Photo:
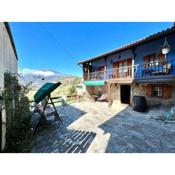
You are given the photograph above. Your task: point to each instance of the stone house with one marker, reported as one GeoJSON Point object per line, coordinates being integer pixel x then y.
{"type": "Point", "coordinates": [145, 67]}
{"type": "Point", "coordinates": [8, 63]}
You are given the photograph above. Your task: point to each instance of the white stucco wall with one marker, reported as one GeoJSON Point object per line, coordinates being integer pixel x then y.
{"type": "Point", "coordinates": [8, 60]}
{"type": "Point", "coordinates": [8, 63]}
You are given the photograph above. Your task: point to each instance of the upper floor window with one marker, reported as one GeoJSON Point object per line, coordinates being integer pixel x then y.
{"type": "Point", "coordinates": [123, 66]}
{"type": "Point", "coordinates": [101, 68]}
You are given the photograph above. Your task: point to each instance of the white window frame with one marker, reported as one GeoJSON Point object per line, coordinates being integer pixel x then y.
{"type": "Point", "coordinates": [159, 90]}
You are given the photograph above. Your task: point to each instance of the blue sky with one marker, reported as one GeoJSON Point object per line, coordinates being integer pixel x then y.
{"type": "Point", "coordinates": [59, 46]}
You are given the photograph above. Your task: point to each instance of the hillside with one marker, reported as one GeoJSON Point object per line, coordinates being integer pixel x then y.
{"type": "Point", "coordinates": [36, 78]}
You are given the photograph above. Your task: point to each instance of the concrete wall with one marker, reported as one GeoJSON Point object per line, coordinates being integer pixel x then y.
{"type": "Point", "coordinates": [8, 63]}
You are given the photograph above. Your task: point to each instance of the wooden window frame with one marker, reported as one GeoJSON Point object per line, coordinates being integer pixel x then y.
{"type": "Point", "coordinates": [101, 67]}
{"type": "Point", "coordinates": [152, 93]}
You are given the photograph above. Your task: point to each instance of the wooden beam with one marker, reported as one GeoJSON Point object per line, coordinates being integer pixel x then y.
{"type": "Point", "coordinates": [109, 94]}
{"type": "Point", "coordinates": [56, 113]}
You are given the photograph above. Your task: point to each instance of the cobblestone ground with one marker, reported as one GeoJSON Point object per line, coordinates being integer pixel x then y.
{"type": "Point", "coordinates": [95, 127]}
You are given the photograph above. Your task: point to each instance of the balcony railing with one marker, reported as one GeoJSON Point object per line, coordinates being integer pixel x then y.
{"type": "Point", "coordinates": [155, 69]}
{"type": "Point", "coordinates": [117, 73]}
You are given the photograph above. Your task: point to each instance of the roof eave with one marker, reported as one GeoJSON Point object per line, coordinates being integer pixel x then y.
{"type": "Point", "coordinates": [7, 26]}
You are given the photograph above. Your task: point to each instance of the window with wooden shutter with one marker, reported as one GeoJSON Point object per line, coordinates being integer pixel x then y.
{"type": "Point", "coordinates": [164, 91]}
{"type": "Point", "coordinates": [149, 91]}
{"type": "Point", "coordinates": [157, 91]}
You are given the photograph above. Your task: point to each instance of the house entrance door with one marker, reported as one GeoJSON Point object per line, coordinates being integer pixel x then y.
{"type": "Point", "coordinates": [125, 91]}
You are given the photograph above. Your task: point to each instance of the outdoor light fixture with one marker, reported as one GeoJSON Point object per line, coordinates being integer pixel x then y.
{"type": "Point", "coordinates": [165, 47]}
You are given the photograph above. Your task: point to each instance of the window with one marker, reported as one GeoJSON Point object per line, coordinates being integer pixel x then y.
{"type": "Point", "coordinates": [157, 91]}
{"type": "Point", "coordinates": [154, 60]}
{"type": "Point", "coordinates": [120, 67]}
{"type": "Point", "coordinates": [151, 62]}
{"type": "Point", "coordinates": [123, 66]}
{"type": "Point", "coordinates": [101, 68]}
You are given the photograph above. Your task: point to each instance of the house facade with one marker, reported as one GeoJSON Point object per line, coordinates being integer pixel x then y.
{"type": "Point", "coordinates": [145, 67]}
{"type": "Point", "coordinates": [8, 63]}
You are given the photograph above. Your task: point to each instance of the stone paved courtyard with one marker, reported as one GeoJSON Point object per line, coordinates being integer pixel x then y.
{"type": "Point", "coordinates": [97, 128]}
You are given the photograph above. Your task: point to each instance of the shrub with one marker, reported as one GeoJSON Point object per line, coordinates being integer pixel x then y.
{"type": "Point", "coordinates": [18, 131]}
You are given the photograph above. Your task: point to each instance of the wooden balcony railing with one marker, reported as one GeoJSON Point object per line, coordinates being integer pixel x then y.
{"type": "Point", "coordinates": [158, 68]}
{"type": "Point", "coordinates": [117, 73]}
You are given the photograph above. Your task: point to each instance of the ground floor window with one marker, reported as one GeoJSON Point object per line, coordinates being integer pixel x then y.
{"type": "Point", "coordinates": [157, 91]}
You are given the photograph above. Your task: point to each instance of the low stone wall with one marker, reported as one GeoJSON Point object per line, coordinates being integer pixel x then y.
{"type": "Point", "coordinates": [159, 101]}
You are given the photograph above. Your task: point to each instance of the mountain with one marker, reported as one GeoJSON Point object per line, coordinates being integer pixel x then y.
{"type": "Point", "coordinates": [34, 79]}
{"type": "Point", "coordinates": [39, 77]}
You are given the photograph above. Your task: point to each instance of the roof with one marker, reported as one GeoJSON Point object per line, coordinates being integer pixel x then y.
{"type": "Point", "coordinates": [11, 38]}
{"type": "Point", "coordinates": [134, 44]}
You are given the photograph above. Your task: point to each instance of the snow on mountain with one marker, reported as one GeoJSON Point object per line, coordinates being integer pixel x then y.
{"type": "Point", "coordinates": [39, 77]}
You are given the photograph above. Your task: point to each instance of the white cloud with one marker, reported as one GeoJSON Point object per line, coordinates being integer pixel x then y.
{"type": "Point", "coordinates": [44, 73]}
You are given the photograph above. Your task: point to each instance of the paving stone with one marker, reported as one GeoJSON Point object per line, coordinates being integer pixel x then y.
{"type": "Point", "coordinates": [127, 130]}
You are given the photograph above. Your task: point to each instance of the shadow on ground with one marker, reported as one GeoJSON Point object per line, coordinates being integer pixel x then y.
{"type": "Point", "coordinates": [76, 141]}
{"type": "Point", "coordinates": [134, 132]}
{"type": "Point", "coordinates": [55, 137]}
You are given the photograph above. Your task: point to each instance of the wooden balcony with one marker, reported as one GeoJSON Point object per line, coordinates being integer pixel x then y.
{"type": "Point", "coordinates": [159, 71]}
{"type": "Point", "coordinates": [122, 73]}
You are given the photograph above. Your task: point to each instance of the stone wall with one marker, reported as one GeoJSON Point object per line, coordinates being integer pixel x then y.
{"type": "Point", "coordinates": [115, 93]}
{"type": "Point", "coordinates": [141, 89]}
{"type": "Point", "coordinates": [97, 90]}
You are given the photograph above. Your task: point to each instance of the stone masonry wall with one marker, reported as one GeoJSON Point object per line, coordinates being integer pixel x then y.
{"type": "Point", "coordinates": [140, 89]}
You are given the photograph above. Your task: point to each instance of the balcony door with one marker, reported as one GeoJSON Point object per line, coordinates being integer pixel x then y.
{"type": "Point", "coordinates": [154, 60]}
{"type": "Point", "coordinates": [122, 69]}
{"type": "Point", "coordinates": [101, 73]}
